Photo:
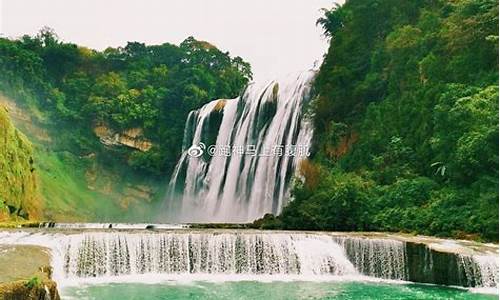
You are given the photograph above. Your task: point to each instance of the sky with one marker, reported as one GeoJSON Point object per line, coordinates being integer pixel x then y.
{"type": "Point", "coordinates": [277, 37]}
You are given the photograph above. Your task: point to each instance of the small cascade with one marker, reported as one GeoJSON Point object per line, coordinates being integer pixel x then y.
{"type": "Point", "coordinates": [114, 254]}
{"type": "Point", "coordinates": [380, 258]}
{"type": "Point", "coordinates": [240, 254]}
{"type": "Point", "coordinates": [239, 155]}
{"type": "Point", "coordinates": [479, 270]}
{"type": "Point", "coordinates": [125, 226]}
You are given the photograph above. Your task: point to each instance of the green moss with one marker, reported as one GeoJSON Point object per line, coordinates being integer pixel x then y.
{"type": "Point", "coordinates": [18, 194]}
{"type": "Point", "coordinates": [77, 184]}
{"type": "Point", "coordinates": [33, 282]}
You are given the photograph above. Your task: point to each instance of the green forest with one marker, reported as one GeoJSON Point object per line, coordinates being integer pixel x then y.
{"type": "Point", "coordinates": [405, 111]}
{"type": "Point", "coordinates": [107, 125]}
{"type": "Point", "coordinates": [406, 122]}
{"type": "Point", "coordinates": [151, 87]}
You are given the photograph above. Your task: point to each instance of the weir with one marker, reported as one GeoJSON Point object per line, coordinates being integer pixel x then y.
{"type": "Point", "coordinates": [257, 255]}
{"type": "Point", "coordinates": [248, 149]}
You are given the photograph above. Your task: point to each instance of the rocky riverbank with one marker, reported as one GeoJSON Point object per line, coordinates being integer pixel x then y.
{"type": "Point", "coordinates": [25, 273]}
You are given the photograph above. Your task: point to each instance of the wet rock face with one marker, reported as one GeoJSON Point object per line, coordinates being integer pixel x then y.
{"type": "Point", "coordinates": [423, 261]}
{"type": "Point", "coordinates": [26, 274]}
{"type": "Point", "coordinates": [428, 266]}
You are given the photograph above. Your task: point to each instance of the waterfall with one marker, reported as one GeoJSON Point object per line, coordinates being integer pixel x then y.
{"type": "Point", "coordinates": [480, 270]}
{"type": "Point", "coordinates": [111, 255]}
{"type": "Point", "coordinates": [112, 225]}
{"type": "Point", "coordinates": [379, 258]}
{"type": "Point", "coordinates": [239, 155]}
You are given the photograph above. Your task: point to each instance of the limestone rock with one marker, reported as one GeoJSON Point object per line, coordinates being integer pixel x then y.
{"type": "Point", "coordinates": [132, 138]}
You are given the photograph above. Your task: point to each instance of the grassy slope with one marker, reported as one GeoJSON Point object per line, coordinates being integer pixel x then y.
{"type": "Point", "coordinates": [79, 189]}
{"type": "Point", "coordinates": [82, 188]}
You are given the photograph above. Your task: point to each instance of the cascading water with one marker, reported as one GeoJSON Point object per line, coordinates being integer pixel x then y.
{"type": "Point", "coordinates": [118, 255]}
{"type": "Point", "coordinates": [251, 146]}
{"type": "Point", "coordinates": [376, 257]}
{"type": "Point", "coordinates": [112, 225]}
{"type": "Point", "coordinates": [104, 254]}
{"type": "Point", "coordinates": [480, 270]}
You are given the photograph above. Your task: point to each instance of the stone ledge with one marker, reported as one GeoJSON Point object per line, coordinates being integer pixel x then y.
{"type": "Point", "coordinates": [18, 265]}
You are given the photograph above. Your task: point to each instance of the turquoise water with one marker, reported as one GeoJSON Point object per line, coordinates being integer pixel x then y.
{"type": "Point", "coordinates": [268, 291]}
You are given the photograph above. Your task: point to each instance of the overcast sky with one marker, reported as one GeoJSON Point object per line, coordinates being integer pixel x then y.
{"type": "Point", "coordinates": [276, 36]}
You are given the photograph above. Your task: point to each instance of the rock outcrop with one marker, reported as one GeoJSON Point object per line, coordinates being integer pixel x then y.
{"type": "Point", "coordinates": [26, 274]}
{"type": "Point", "coordinates": [132, 138]}
{"type": "Point", "coordinates": [23, 290]}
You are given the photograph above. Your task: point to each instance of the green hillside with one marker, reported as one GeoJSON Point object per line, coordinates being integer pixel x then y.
{"type": "Point", "coordinates": [406, 121]}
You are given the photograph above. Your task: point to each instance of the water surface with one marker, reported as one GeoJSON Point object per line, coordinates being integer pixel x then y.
{"type": "Point", "coordinates": [268, 291]}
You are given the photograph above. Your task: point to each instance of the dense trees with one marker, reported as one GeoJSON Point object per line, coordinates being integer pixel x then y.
{"type": "Point", "coordinates": [406, 117]}
{"type": "Point", "coordinates": [406, 120]}
{"type": "Point", "coordinates": [151, 87]}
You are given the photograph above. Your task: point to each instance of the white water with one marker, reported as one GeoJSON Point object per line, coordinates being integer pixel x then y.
{"type": "Point", "coordinates": [242, 187]}
{"type": "Point", "coordinates": [117, 256]}
{"type": "Point", "coordinates": [379, 257]}
{"type": "Point", "coordinates": [113, 225]}
{"type": "Point", "coordinates": [481, 270]}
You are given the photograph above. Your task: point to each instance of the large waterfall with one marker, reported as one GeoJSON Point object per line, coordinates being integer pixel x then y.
{"type": "Point", "coordinates": [239, 155]}
{"type": "Point", "coordinates": [253, 255]}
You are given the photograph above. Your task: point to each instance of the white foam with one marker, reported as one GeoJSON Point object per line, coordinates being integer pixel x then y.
{"type": "Point", "coordinates": [87, 257]}
{"type": "Point", "coordinates": [242, 187]}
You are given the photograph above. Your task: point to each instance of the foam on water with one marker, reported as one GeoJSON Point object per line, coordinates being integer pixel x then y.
{"type": "Point", "coordinates": [121, 256]}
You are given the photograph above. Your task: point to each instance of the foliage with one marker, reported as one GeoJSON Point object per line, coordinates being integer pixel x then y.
{"type": "Point", "coordinates": [33, 282]}
{"type": "Point", "coordinates": [89, 188]}
{"type": "Point", "coordinates": [340, 202]}
{"type": "Point", "coordinates": [136, 86]}
{"type": "Point", "coordinates": [19, 192]}
{"type": "Point", "coordinates": [415, 82]}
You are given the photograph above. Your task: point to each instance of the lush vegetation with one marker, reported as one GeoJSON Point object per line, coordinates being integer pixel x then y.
{"type": "Point", "coordinates": [19, 198]}
{"type": "Point", "coordinates": [148, 87]}
{"type": "Point", "coordinates": [406, 121]}
{"type": "Point", "coordinates": [406, 118]}
{"type": "Point", "coordinates": [69, 99]}
{"type": "Point", "coordinates": [33, 282]}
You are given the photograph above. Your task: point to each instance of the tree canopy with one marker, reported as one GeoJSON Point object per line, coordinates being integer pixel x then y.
{"type": "Point", "coordinates": [152, 87]}
{"type": "Point", "coordinates": [406, 121]}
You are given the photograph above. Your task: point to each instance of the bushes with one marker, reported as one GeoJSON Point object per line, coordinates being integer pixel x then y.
{"type": "Point", "coordinates": [349, 202]}
{"type": "Point", "coordinates": [416, 84]}
{"type": "Point", "coordinates": [340, 202]}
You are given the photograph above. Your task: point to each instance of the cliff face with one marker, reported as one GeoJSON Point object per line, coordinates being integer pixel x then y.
{"type": "Point", "coordinates": [73, 184]}
{"type": "Point", "coordinates": [18, 184]}
{"type": "Point", "coordinates": [132, 138]}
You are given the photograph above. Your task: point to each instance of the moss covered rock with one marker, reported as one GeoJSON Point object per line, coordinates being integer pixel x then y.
{"type": "Point", "coordinates": [18, 185]}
